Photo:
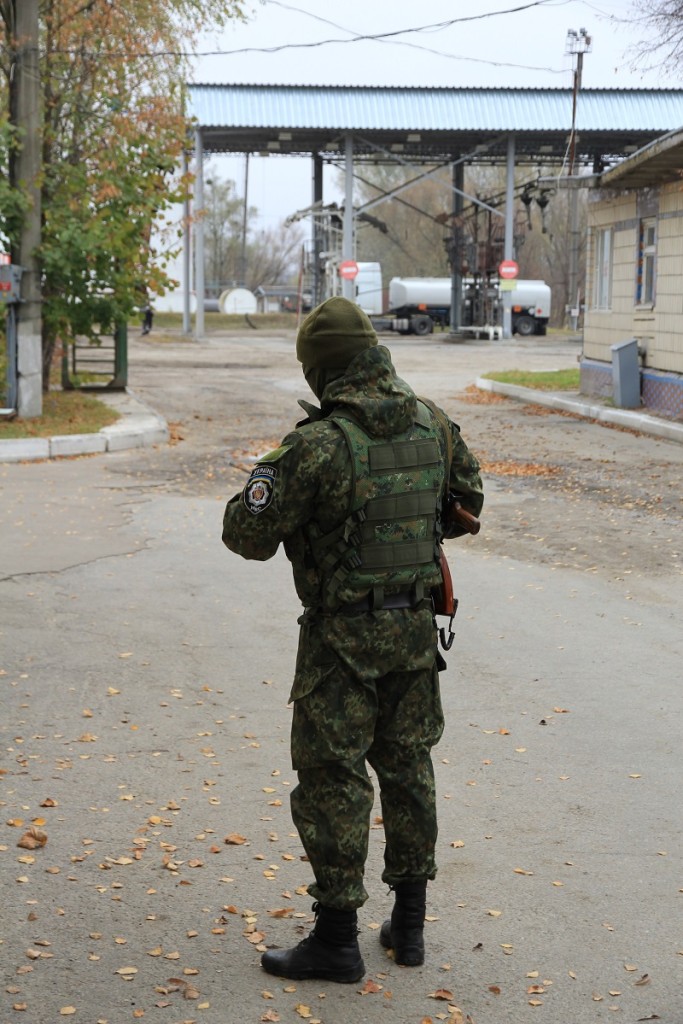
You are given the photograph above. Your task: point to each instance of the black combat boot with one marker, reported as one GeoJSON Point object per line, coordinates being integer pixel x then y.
{"type": "Point", "coordinates": [330, 952]}
{"type": "Point", "coordinates": [404, 932]}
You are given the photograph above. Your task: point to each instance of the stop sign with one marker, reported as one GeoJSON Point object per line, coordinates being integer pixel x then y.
{"type": "Point", "coordinates": [348, 270]}
{"type": "Point", "coordinates": [508, 269]}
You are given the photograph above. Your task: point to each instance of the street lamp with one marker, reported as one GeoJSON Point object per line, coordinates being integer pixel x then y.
{"type": "Point", "coordinates": [578, 43]}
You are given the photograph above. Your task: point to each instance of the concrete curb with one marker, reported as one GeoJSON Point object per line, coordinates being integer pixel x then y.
{"type": "Point", "coordinates": [634, 420]}
{"type": "Point", "coordinates": [138, 427]}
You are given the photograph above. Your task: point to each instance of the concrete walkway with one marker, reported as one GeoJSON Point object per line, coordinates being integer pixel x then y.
{"type": "Point", "coordinates": [580, 405]}
{"type": "Point", "coordinates": [137, 427]}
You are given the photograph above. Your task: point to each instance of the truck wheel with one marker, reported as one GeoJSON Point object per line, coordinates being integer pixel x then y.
{"type": "Point", "coordinates": [422, 325]}
{"type": "Point", "coordinates": [525, 326]}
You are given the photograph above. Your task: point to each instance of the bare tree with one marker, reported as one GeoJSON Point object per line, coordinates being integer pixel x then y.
{"type": "Point", "coordinates": [271, 256]}
{"type": "Point", "coordinates": [407, 232]}
{"type": "Point", "coordinates": [661, 45]}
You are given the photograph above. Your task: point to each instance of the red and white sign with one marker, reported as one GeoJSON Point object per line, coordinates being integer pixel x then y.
{"type": "Point", "coordinates": [508, 270]}
{"type": "Point", "coordinates": [348, 270]}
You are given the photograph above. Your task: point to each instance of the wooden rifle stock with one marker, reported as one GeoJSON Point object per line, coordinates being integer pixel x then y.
{"type": "Point", "coordinates": [442, 596]}
{"type": "Point", "coordinates": [457, 519]}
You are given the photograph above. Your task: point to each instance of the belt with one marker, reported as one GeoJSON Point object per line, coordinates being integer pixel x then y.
{"type": "Point", "coordinates": [391, 601]}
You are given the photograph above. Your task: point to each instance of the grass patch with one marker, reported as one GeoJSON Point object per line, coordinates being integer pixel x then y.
{"type": "Point", "coordinates": [542, 380]}
{"type": "Point", "coordinates": [168, 326]}
{"type": "Point", "coordinates": [64, 412]}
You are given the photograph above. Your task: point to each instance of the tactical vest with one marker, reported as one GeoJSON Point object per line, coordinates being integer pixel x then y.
{"type": "Point", "coordinates": [388, 543]}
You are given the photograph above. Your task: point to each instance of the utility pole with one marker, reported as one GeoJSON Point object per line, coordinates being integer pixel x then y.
{"type": "Point", "coordinates": [578, 43]}
{"type": "Point", "coordinates": [25, 115]}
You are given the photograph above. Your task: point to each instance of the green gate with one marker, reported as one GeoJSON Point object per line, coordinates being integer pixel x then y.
{"type": "Point", "coordinates": [106, 358]}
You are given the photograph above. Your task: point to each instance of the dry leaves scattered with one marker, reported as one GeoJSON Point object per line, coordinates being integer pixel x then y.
{"type": "Point", "coordinates": [33, 839]}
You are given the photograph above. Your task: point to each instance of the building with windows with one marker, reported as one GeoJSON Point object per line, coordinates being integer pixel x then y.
{"type": "Point", "coordinates": [634, 274]}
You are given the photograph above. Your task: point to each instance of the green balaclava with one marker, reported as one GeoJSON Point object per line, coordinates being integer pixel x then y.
{"type": "Point", "coordinates": [329, 338]}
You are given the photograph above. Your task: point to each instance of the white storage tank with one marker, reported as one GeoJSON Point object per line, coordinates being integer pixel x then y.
{"type": "Point", "coordinates": [237, 300]}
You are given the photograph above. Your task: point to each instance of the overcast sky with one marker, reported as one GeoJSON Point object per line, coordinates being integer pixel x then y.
{"type": "Point", "coordinates": [524, 47]}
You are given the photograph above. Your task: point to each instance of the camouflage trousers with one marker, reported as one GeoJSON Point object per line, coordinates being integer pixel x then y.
{"type": "Point", "coordinates": [340, 726]}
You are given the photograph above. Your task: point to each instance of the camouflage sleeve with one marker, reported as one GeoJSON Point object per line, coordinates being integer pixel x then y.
{"type": "Point", "coordinates": [465, 480]}
{"type": "Point", "coordinates": [276, 500]}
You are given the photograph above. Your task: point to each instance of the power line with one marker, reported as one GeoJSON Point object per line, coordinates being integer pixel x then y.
{"type": "Point", "coordinates": [358, 38]}
{"type": "Point", "coordinates": [418, 46]}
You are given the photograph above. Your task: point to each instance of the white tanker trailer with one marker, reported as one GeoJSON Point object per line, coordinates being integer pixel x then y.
{"type": "Point", "coordinates": [418, 303]}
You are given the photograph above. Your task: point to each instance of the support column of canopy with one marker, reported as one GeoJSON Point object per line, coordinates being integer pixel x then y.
{"type": "Point", "coordinates": [509, 243]}
{"type": "Point", "coordinates": [198, 226]}
{"type": "Point", "coordinates": [317, 238]}
{"type": "Point", "coordinates": [348, 246]}
{"type": "Point", "coordinates": [187, 253]}
{"type": "Point", "coordinates": [456, 245]}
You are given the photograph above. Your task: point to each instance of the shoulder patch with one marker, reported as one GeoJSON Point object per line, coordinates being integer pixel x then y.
{"type": "Point", "coordinates": [258, 493]}
{"type": "Point", "coordinates": [276, 454]}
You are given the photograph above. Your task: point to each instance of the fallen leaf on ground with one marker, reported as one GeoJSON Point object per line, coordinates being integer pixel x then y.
{"type": "Point", "coordinates": [33, 839]}
{"type": "Point", "coordinates": [441, 993]}
{"type": "Point", "coordinates": [369, 987]}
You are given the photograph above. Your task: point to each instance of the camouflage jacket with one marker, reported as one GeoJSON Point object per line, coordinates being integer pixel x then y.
{"type": "Point", "coordinates": [308, 478]}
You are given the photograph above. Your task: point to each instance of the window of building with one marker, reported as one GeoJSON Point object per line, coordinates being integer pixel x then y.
{"type": "Point", "coordinates": [603, 269]}
{"type": "Point", "coordinates": [645, 270]}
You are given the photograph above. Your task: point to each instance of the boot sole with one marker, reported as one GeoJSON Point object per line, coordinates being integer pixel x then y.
{"type": "Point", "coordinates": [348, 978]}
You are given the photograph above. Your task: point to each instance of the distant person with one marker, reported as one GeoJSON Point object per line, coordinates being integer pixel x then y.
{"type": "Point", "coordinates": [355, 495]}
{"type": "Point", "coordinates": [147, 319]}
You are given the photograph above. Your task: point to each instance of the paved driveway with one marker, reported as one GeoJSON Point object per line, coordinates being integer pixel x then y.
{"type": "Point", "coordinates": [144, 680]}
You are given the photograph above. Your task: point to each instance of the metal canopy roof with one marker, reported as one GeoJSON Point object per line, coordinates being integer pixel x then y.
{"type": "Point", "coordinates": [427, 125]}
{"type": "Point", "coordinates": [660, 161]}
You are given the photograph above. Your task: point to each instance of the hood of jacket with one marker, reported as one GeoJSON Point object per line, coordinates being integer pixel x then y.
{"type": "Point", "coordinates": [378, 401]}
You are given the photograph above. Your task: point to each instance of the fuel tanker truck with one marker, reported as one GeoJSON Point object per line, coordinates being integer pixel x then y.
{"type": "Point", "coordinates": [417, 304]}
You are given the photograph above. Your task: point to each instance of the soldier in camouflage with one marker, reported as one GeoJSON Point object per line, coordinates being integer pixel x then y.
{"type": "Point", "coordinates": [354, 494]}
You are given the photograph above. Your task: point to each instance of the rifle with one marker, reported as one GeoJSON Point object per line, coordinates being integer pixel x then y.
{"type": "Point", "coordinates": [456, 520]}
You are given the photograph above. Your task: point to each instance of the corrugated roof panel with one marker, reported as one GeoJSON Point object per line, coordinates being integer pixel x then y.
{"type": "Point", "coordinates": [412, 109]}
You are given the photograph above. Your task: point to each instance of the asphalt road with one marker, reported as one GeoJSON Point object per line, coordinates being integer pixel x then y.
{"type": "Point", "coordinates": [144, 680]}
